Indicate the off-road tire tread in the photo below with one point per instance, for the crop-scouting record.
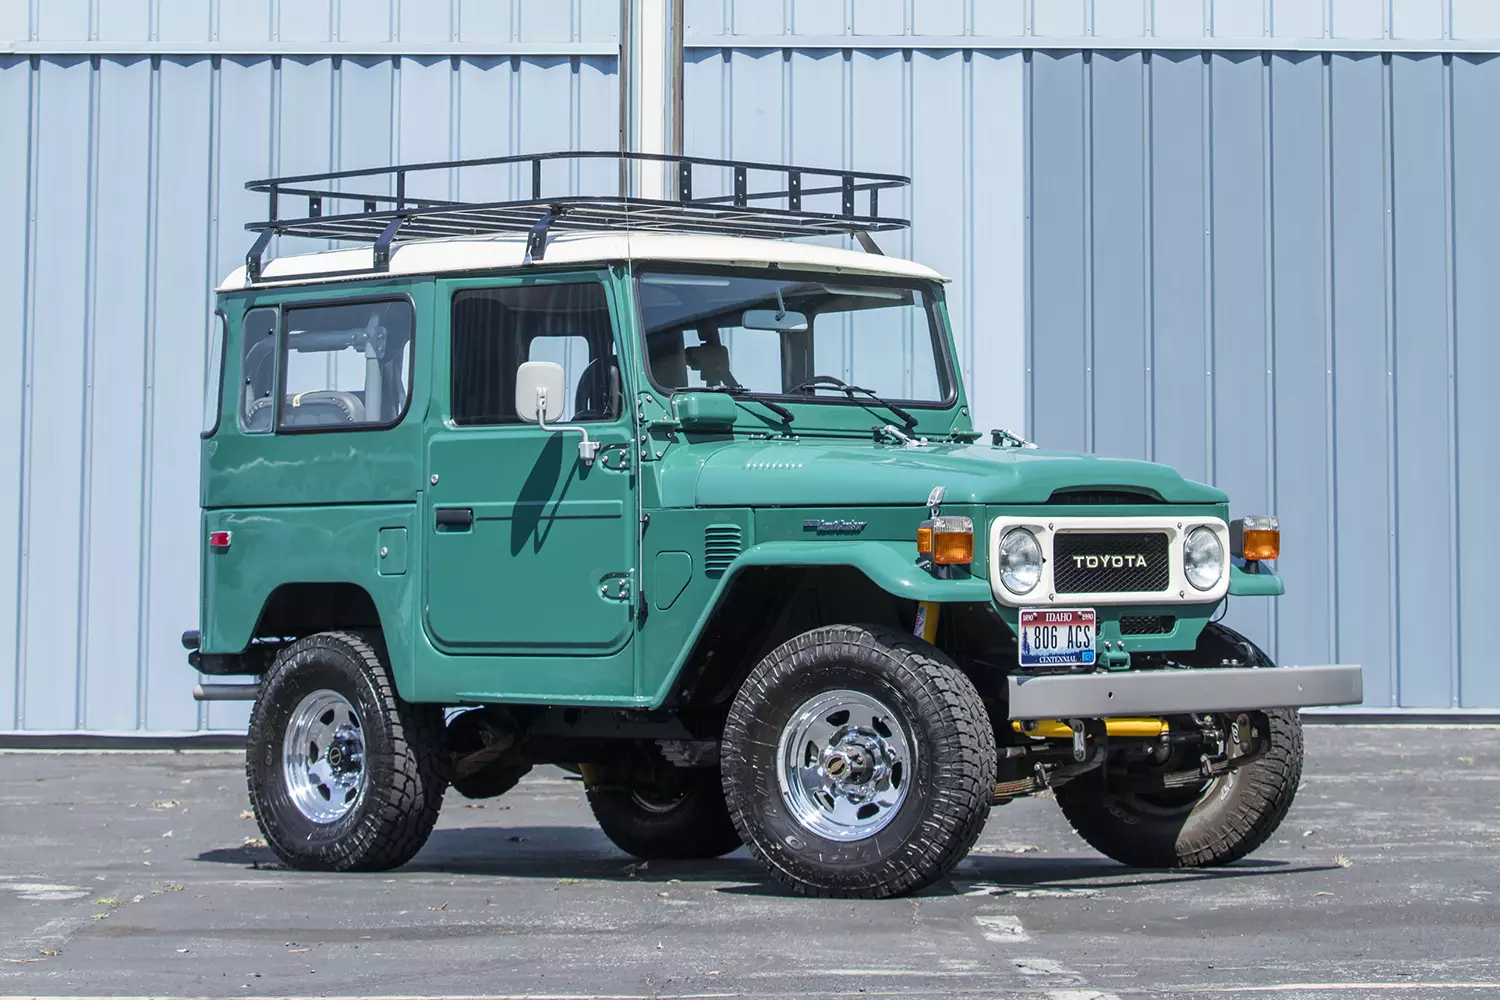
(1268, 786)
(964, 771)
(406, 807)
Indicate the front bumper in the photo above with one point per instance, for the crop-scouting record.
(1176, 691)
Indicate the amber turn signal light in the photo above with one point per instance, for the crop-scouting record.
(948, 541)
(1255, 538)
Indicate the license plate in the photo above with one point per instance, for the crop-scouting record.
(1058, 637)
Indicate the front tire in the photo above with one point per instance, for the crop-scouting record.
(1214, 825)
(682, 818)
(343, 775)
(858, 761)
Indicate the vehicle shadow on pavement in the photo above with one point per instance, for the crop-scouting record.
(572, 852)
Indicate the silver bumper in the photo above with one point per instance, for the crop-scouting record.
(1172, 692)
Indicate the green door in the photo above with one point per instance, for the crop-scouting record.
(530, 552)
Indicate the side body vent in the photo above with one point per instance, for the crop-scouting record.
(722, 543)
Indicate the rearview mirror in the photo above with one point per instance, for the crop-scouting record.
(539, 392)
(779, 320)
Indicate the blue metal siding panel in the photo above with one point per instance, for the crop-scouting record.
(1423, 558)
(1060, 382)
(247, 21)
(17, 86)
(1172, 20)
(117, 301)
(15, 20)
(1179, 276)
(1239, 457)
(56, 337)
(1361, 376)
(1475, 19)
(133, 172)
(1358, 18)
(1299, 359)
(1297, 19)
(1117, 301)
(1476, 161)
(1334, 276)
(879, 17)
(63, 20)
(992, 285)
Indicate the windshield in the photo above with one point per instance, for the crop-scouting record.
(772, 336)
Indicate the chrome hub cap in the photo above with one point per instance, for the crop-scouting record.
(846, 762)
(323, 756)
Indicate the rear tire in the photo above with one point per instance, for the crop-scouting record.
(684, 819)
(343, 775)
(859, 762)
(1220, 824)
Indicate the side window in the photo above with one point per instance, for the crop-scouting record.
(257, 370)
(496, 329)
(213, 376)
(346, 365)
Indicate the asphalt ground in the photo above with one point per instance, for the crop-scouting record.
(138, 873)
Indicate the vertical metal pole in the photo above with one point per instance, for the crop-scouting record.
(675, 77)
(626, 72)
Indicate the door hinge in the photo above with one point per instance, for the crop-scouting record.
(615, 457)
(616, 586)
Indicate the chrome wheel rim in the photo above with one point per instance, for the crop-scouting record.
(846, 763)
(323, 757)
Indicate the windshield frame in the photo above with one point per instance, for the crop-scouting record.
(931, 292)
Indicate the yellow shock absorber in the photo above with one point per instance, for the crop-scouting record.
(927, 620)
(1058, 730)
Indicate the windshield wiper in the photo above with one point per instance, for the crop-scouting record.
(740, 392)
(829, 382)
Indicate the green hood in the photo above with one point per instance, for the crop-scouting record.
(823, 473)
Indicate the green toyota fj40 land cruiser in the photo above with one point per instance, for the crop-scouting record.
(641, 487)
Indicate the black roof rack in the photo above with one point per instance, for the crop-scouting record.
(802, 201)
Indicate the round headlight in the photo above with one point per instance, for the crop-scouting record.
(1203, 558)
(1020, 561)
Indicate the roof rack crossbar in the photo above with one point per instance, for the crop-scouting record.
(773, 211)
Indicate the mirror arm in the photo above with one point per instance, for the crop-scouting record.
(588, 449)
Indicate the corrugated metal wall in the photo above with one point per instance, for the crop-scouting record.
(129, 131)
(1276, 272)
(1270, 268)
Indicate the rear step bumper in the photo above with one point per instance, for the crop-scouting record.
(1175, 691)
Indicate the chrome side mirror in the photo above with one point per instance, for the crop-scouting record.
(540, 386)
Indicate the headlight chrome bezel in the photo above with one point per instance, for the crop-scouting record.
(1198, 542)
(1007, 572)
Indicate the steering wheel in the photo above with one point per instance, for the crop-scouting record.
(817, 380)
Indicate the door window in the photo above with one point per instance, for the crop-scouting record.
(257, 370)
(346, 365)
(213, 378)
(495, 329)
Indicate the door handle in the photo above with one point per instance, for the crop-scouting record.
(455, 518)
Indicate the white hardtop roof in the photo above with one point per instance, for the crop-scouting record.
(492, 253)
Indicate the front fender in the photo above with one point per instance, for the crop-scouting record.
(890, 565)
(1264, 582)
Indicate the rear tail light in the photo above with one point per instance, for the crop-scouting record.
(218, 539)
(1255, 538)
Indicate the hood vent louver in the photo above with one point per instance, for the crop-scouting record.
(1101, 496)
(722, 544)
